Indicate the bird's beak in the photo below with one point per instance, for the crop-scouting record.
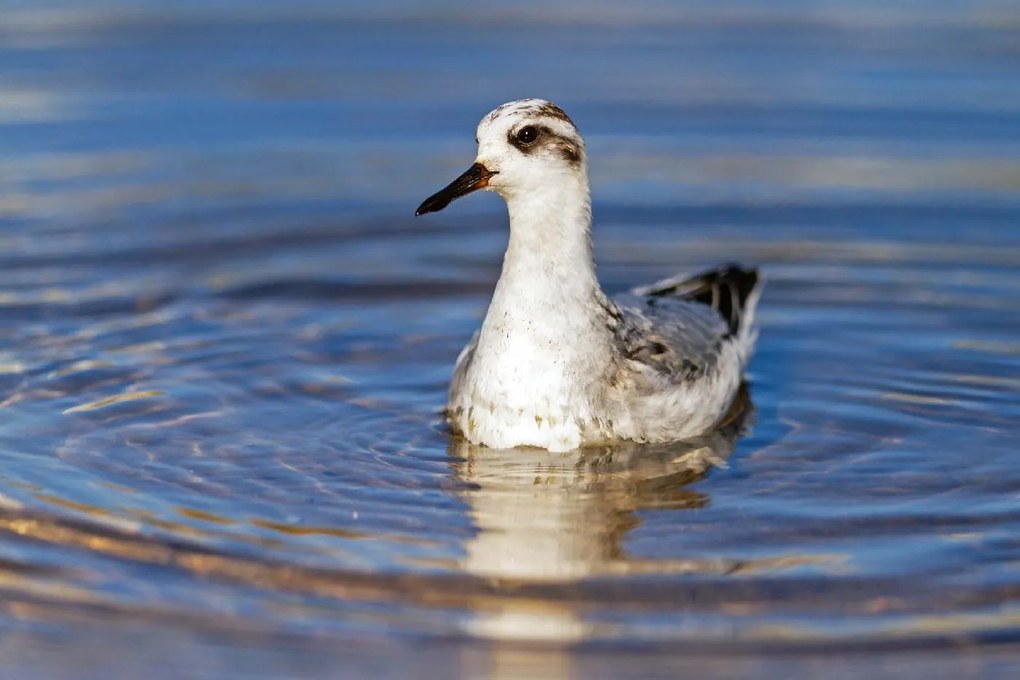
(476, 177)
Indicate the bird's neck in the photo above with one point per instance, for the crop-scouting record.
(548, 305)
(550, 251)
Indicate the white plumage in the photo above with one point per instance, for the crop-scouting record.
(557, 364)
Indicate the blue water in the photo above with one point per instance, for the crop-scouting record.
(226, 342)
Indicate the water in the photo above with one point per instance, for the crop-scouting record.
(226, 342)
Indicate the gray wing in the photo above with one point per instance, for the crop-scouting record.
(680, 338)
(680, 326)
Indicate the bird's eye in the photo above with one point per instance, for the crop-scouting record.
(527, 134)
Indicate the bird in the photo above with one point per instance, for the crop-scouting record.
(559, 365)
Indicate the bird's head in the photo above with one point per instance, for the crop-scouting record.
(525, 147)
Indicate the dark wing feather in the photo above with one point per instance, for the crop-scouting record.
(679, 326)
(728, 290)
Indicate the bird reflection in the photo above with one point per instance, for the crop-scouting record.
(555, 517)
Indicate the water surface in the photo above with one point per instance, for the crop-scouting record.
(226, 342)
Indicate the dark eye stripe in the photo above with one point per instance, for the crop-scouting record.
(547, 139)
(513, 136)
(544, 133)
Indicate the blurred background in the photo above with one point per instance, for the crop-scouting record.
(226, 340)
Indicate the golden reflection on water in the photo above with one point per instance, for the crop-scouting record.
(133, 519)
(117, 399)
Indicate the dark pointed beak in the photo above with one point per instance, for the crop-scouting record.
(476, 177)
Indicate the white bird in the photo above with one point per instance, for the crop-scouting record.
(559, 365)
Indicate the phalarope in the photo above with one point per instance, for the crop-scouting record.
(559, 365)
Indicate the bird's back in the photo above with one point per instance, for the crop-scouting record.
(682, 326)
